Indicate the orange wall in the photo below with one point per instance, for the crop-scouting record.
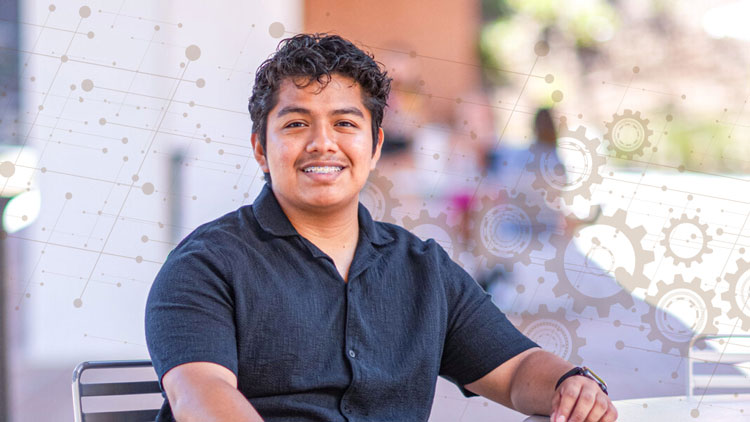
(443, 33)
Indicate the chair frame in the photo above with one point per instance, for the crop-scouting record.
(81, 390)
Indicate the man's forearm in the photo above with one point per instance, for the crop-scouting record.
(215, 401)
(533, 385)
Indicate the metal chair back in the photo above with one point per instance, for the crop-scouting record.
(114, 388)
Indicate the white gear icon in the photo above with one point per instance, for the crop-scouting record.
(557, 181)
(506, 230)
(631, 280)
(447, 236)
(687, 299)
(376, 197)
(554, 333)
(738, 294)
(667, 241)
(628, 134)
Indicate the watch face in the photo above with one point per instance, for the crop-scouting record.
(589, 373)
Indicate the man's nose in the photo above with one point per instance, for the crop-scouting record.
(321, 139)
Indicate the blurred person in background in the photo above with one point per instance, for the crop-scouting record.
(507, 170)
(406, 103)
(406, 121)
(300, 307)
(460, 164)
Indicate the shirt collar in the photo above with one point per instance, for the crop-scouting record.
(376, 233)
(272, 219)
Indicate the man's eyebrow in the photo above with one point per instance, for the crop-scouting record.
(348, 110)
(302, 110)
(292, 109)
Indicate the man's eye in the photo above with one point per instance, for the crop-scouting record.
(295, 124)
(347, 124)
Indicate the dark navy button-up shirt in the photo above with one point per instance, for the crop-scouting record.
(247, 292)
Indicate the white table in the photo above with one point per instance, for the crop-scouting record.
(712, 408)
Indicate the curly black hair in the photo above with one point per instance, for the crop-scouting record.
(316, 57)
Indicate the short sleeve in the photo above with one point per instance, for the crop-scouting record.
(190, 311)
(479, 337)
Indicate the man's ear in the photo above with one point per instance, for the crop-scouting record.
(259, 153)
(378, 149)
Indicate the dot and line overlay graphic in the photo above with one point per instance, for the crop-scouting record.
(608, 236)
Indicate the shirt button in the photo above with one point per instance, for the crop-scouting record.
(352, 353)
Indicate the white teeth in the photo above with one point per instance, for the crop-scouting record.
(326, 169)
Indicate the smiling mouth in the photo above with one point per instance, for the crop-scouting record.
(323, 169)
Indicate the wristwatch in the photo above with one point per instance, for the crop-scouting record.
(586, 372)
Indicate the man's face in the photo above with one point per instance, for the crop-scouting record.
(318, 144)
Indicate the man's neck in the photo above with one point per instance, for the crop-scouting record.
(334, 231)
(325, 227)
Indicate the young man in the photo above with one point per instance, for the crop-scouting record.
(301, 308)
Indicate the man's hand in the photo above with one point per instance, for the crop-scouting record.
(526, 383)
(580, 399)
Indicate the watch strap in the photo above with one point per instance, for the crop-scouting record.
(586, 372)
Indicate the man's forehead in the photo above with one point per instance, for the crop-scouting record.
(304, 81)
(304, 85)
(338, 92)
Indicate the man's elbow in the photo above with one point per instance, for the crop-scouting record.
(204, 391)
(214, 400)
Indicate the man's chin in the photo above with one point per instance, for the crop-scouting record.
(326, 198)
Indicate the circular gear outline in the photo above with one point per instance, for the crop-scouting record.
(703, 228)
(618, 120)
(517, 200)
(731, 295)
(628, 281)
(383, 185)
(551, 193)
(662, 289)
(440, 221)
(558, 317)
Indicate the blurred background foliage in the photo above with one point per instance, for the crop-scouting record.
(588, 37)
(580, 24)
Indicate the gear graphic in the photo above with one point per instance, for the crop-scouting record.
(506, 230)
(738, 294)
(630, 280)
(628, 134)
(448, 235)
(552, 178)
(683, 294)
(376, 197)
(553, 332)
(666, 242)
